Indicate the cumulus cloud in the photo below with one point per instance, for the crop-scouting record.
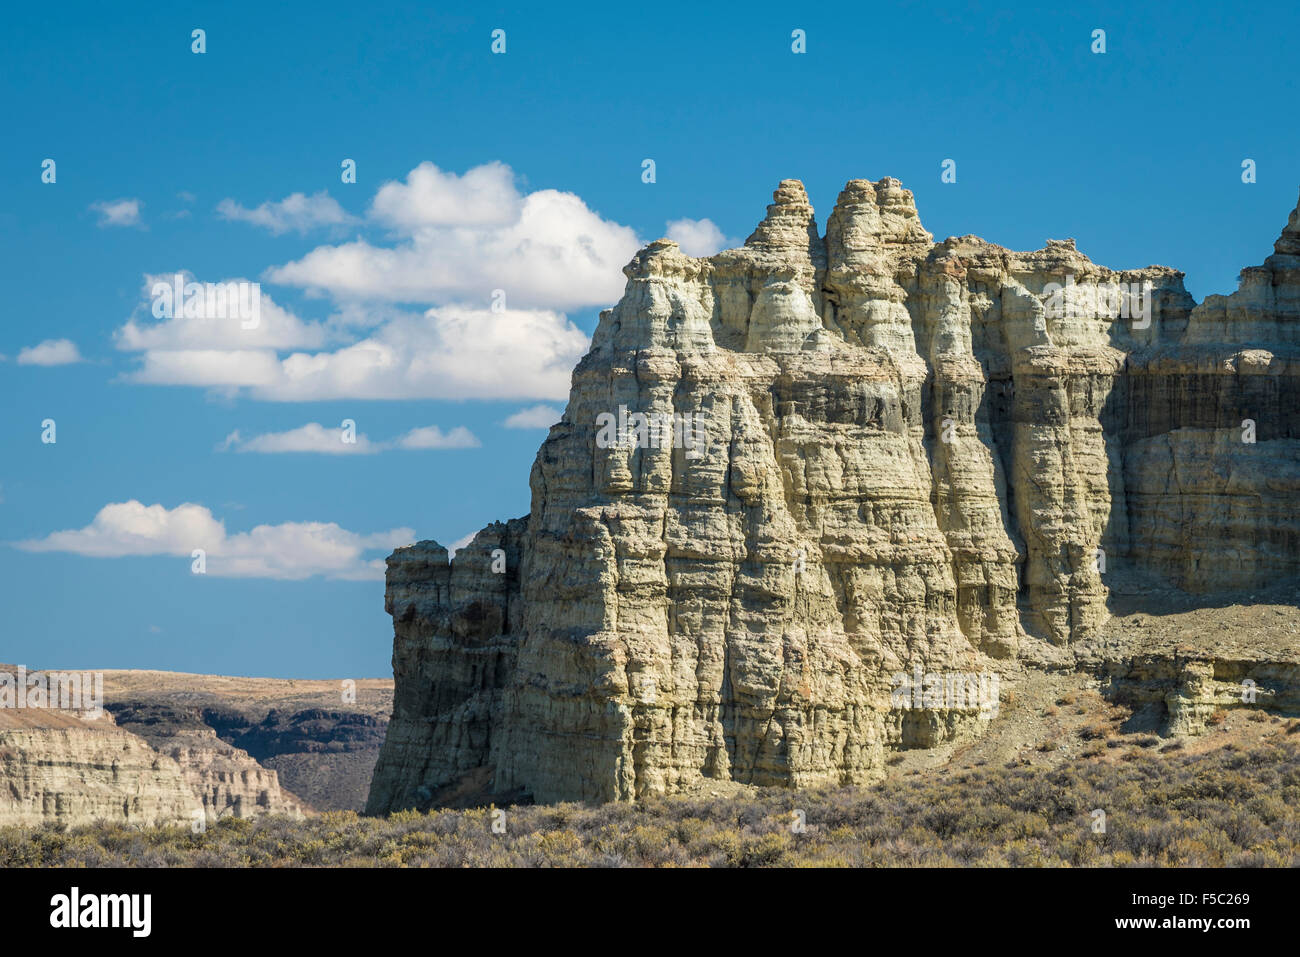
(431, 437)
(289, 551)
(698, 237)
(297, 212)
(118, 212)
(483, 196)
(460, 238)
(534, 417)
(448, 353)
(459, 543)
(453, 243)
(208, 368)
(202, 322)
(314, 437)
(51, 352)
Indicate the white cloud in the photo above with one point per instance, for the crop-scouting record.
(483, 196)
(314, 437)
(118, 212)
(455, 240)
(207, 368)
(432, 437)
(311, 437)
(534, 417)
(211, 327)
(297, 212)
(51, 352)
(698, 237)
(459, 543)
(292, 550)
(448, 353)
(463, 237)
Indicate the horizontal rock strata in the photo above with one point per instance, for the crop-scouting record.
(791, 472)
(57, 767)
(226, 779)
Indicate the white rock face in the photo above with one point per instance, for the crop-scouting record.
(915, 456)
(54, 767)
(226, 780)
(159, 767)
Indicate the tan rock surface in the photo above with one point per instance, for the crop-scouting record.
(56, 767)
(165, 747)
(226, 779)
(916, 455)
(321, 744)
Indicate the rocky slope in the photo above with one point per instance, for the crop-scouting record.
(321, 744)
(168, 745)
(841, 460)
(226, 779)
(57, 767)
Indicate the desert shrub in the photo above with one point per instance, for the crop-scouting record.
(1228, 807)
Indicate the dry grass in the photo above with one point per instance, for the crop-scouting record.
(1231, 807)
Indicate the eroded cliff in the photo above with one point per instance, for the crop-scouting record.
(56, 766)
(794, 474)
(225, 779)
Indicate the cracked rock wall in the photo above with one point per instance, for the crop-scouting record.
(912, 455)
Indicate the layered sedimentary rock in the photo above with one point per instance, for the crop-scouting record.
(321, 737)
(790, 473)
(324, 756)
(227, 781)
(57, 767)
(167, 745)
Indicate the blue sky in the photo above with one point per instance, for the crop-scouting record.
(478, 172)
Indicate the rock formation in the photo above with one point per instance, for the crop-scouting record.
(226, 779)
(320, 737)
(166, 746)
(325, 756)
(790, 474)
(57, 767)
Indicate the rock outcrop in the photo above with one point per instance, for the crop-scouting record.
(156, 748)
(57, 767)
(227, 780)
(793, 475)
(325, 756)
(320, 737)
